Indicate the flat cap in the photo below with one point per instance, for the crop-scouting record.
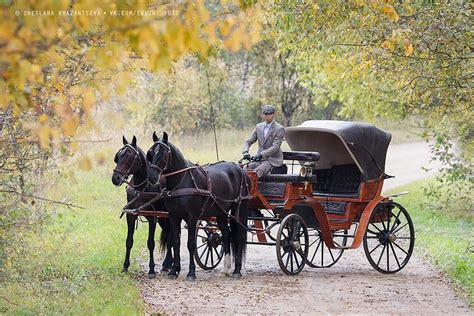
(268, 109)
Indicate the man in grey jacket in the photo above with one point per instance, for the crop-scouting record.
(269, 135)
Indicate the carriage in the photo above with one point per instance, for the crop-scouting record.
(324, 200)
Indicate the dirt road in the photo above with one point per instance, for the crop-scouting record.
(352, 286)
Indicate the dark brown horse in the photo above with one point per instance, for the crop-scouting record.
(220, 190)
(130, 160)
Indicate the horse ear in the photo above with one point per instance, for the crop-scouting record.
(125, 141)
(155, 138)
(165, 138)
(134, 141)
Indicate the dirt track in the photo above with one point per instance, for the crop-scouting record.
(352, 286)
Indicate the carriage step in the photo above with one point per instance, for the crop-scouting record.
(338, 221)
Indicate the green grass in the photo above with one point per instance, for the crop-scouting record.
(446, 240)
(74, 265)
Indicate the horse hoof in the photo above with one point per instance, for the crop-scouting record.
(172, 276)
(151, 275)
(191, 278)
(236, 276)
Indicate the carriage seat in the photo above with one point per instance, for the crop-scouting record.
(292, 178)
(342, 180)
(301, 155)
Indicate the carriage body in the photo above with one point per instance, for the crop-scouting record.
(334, 188)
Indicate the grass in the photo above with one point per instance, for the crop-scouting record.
(445, 239)
(73, 266)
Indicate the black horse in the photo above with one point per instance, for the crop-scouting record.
(220, 190)
(130, 160)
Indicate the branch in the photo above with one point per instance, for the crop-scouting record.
(68, 205)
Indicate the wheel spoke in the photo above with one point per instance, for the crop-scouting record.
(375, 228)
(388, 264)
(396, 219)
(287, 259)
(291, 260)
(322, 252)
(296, 260)
(207, 258)
(316, 250)
(204, 237)
(395, 255)
(204, 244)
(212, 257)
(398, 229)
(330, 252)
(204, 251)
(370, 252)
(381, 254)
(399, 247)
(217, 253)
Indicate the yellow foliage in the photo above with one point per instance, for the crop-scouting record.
(43, 136)
(84, 163)
(408, 50)
(43, 118)
(88, 100)
(390, 12)
(70, 125)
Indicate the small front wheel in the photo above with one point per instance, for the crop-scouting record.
(209, 249)
(390, 238)
(292, 244)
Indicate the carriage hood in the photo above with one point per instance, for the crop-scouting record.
(342, 143)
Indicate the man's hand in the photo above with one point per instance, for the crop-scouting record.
(246, 156)
(257, 157)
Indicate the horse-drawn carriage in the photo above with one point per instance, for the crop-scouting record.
(329, 201)
(326, 199)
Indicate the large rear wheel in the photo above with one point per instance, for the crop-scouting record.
(209, 249)
(292, 244)
(390, 238)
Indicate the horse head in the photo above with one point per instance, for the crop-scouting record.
(128, 162)
(158, 157)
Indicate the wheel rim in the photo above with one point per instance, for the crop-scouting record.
(209, 249)
(390, 238)
(292, 244)
(319, 255)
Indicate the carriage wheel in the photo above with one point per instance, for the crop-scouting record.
(292, 244)
(390, 238)
(209, 249)
(320, 256)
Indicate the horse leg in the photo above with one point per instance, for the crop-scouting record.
(129, 242)
(165, 242)
(223, 225)
(175, 243)
(192, 222)
(151, 246)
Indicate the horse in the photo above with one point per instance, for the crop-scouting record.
(130, 160)
(220, 190)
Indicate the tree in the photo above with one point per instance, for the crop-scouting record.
(387, 59)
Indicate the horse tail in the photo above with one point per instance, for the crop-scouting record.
(239, 226)
(165, 233)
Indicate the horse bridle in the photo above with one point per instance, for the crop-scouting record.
(163, 163)
(136, 155)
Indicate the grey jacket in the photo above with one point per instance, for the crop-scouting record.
(269, 147)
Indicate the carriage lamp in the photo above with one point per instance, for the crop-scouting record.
(307, 169)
